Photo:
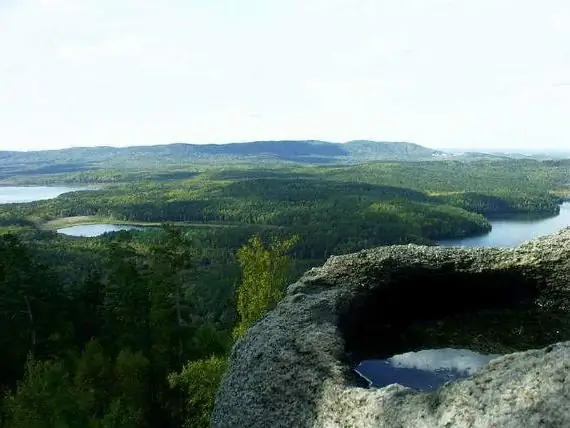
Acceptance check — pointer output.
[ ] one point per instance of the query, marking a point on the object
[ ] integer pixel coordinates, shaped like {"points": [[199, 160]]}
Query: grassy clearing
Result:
{"points": [[443, 193], [562, 193]]}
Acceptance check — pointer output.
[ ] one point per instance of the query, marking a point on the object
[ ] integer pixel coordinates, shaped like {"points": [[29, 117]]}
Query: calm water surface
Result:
{"points": [[19, 194], [510, 233], [423, 370], [91, 230]]}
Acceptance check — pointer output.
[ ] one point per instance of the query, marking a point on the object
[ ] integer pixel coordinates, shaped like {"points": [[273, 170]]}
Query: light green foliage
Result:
{"points": [[264, 273], [264, 269], [199, 381]]}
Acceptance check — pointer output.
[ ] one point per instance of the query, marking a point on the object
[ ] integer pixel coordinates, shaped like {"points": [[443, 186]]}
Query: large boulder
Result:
{"points": [[294, 368]]}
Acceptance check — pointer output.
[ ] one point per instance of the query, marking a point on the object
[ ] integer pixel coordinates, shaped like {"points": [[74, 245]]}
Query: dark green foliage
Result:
{"points": [[45, 398], [90, 391], [140, 339], [330, 216], [503, 204], [28, 321], [125, 316]]}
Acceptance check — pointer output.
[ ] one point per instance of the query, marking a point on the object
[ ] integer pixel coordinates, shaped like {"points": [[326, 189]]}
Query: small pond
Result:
{"points": [[91, 230]]}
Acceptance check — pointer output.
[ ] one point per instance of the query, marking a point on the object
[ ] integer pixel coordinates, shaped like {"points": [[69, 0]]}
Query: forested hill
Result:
{"points": [[309, 151]]}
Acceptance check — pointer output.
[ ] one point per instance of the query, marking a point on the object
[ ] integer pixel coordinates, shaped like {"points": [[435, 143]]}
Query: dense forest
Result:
{"points": [[136, 337], [132, 329]]}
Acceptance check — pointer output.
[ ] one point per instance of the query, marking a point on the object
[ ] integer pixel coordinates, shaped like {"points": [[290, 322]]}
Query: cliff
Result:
{"points": [[294, 367]]}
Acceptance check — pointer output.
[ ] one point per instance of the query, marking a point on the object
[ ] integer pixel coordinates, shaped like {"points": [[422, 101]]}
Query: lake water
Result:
{"points": [[19, 194], [510, 233], [91, 230]]}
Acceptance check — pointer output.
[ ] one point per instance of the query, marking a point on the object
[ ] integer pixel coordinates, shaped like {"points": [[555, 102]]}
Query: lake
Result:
{"points": [[20, 194], [510, 233], [91, 230]]}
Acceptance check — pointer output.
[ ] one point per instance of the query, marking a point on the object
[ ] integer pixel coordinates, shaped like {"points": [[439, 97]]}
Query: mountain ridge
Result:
{"points": [[181, 154], [288, 150]]}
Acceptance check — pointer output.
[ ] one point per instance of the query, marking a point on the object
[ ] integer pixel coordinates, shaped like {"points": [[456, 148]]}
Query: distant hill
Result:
{"points": [[381, 150], [306, 151], [292, 151]]}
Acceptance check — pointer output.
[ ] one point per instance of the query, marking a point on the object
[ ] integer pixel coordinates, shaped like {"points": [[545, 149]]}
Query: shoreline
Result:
{"points": [[62, 223]]}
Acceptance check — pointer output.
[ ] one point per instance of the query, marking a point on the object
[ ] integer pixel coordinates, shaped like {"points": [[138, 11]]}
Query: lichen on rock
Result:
{"points": [[293, 368]]}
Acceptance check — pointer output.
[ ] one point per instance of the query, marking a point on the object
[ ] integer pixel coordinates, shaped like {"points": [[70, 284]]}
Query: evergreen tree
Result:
{"points": [[44, 398]]}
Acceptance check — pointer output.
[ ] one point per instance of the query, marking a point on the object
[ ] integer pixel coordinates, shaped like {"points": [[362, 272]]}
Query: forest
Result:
{"points": [[132, 329]]}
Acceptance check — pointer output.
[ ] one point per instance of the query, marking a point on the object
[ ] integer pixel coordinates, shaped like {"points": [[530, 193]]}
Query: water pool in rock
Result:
{"points": [[423, 370]]}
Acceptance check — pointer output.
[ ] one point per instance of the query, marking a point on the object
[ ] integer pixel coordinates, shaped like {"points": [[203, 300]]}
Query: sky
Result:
{"points": [[442, 73]]}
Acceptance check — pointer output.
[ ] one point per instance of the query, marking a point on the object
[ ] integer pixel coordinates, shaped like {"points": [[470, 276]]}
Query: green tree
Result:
{"points": [[171, 323], [172, 269], [264, 272], [92, 380], [31, 308], [199, 380], [125, 308], [44, 398], [130, 392]]}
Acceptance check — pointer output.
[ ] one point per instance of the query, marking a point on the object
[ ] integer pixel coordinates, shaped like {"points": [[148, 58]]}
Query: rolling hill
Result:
{"points": [[306, 151], [18, 163]]}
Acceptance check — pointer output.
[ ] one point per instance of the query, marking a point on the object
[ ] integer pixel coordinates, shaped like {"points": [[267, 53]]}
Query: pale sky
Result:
{"points": [[442, 73]]}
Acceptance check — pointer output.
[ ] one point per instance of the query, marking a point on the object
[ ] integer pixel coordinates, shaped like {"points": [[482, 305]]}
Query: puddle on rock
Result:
{"points": [[423, 370]]}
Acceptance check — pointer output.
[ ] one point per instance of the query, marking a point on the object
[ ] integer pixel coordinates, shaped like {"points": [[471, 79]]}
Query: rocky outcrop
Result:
{"points": [[294, 367]]}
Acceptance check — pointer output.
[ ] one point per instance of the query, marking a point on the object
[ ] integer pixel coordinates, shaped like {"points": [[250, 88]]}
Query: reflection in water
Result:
{"points": [[423, 370], [91, 230]]}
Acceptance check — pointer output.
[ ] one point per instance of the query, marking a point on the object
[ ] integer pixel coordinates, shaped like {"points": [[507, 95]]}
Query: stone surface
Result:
{"points": [[294, 367]]}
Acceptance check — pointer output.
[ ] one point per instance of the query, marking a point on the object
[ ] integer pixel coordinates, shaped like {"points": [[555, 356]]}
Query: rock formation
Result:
{"points": [[294, 367]]}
